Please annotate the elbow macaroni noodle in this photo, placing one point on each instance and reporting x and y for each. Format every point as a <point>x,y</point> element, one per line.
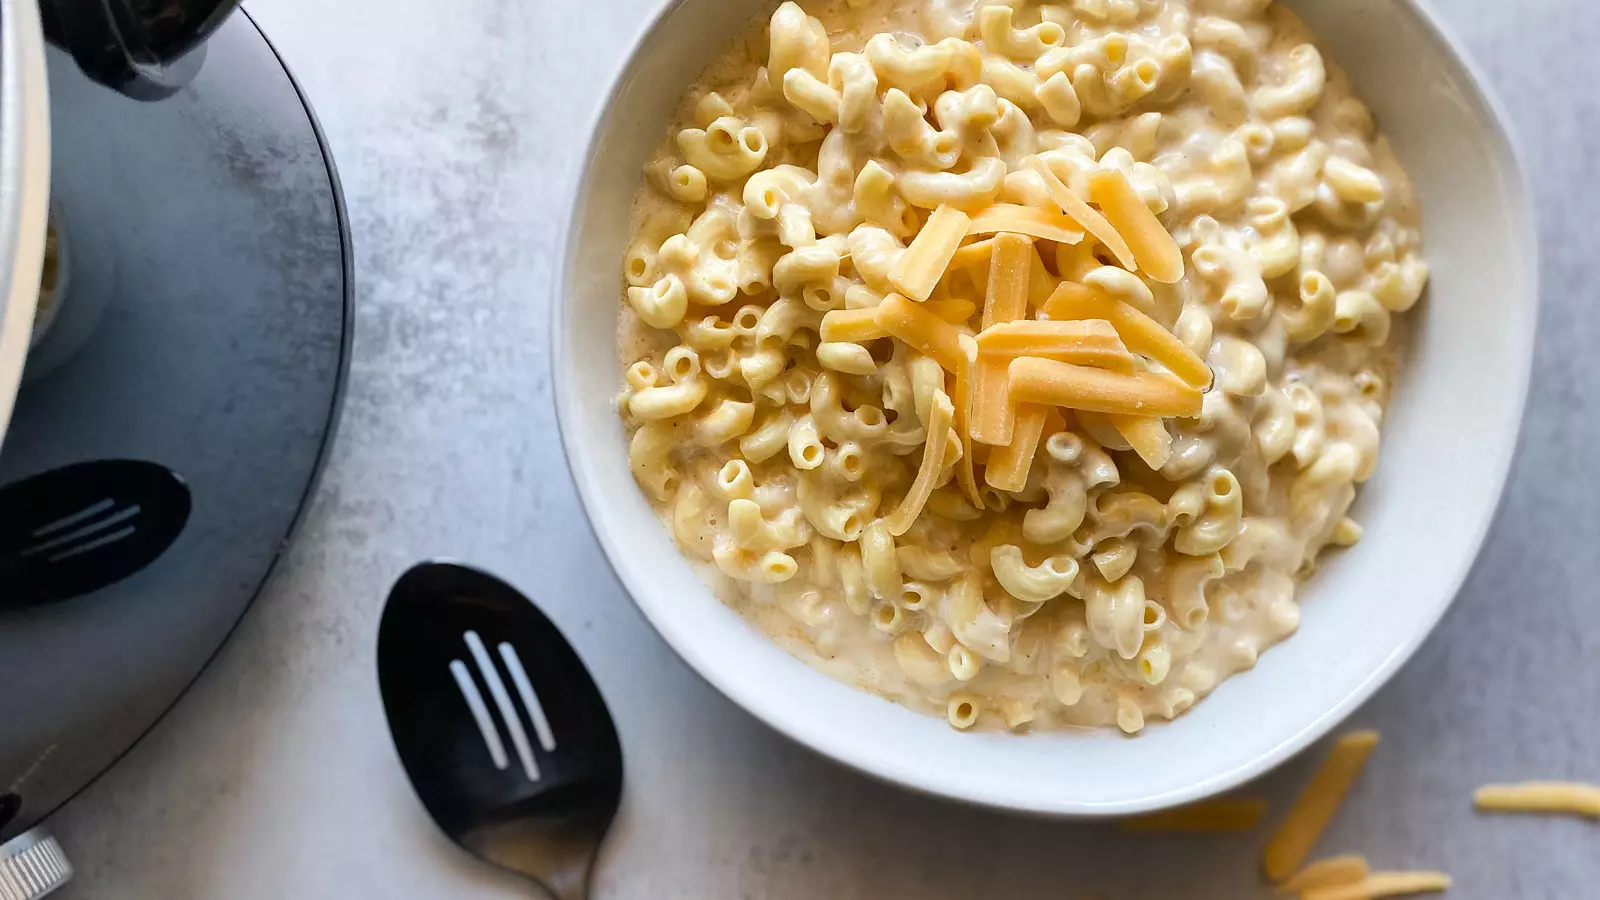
<point>1018,362</point>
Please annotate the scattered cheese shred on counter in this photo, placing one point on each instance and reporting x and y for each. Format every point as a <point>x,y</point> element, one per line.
<point>1349,876</point>
<point>1383,884</point>
<point>1567,797</point>
<point>1334,871</point>
<point>1317,804</point>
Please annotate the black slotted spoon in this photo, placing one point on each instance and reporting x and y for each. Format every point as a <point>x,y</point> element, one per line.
<point>506,739</point>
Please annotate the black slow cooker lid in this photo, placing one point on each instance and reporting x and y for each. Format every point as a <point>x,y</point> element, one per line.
<point>204,327</point>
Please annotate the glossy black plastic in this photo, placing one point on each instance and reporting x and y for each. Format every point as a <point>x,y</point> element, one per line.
<point>146,49</point>
<point>79,528</point>
<point>548,829</point>
<point>206,325</point>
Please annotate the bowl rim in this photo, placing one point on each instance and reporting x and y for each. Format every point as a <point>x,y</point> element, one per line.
<point>1500,141</point>
<point>24,189</point>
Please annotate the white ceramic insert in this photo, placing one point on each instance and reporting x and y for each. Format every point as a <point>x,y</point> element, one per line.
<point>24,187</point>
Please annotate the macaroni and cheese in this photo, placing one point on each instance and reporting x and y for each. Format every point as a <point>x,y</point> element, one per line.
<point>1016,361</point>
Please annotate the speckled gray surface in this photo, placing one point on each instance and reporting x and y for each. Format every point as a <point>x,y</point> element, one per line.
<point>454,132</point>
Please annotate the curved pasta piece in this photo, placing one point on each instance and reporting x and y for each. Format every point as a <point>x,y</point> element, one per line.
<point>1187,577</point>
<point>913,139</point>
<point>928,565</point>
<point>709,278</point>
<point>973,189</point>
<point>831,517</point>
<point>1115,613</point>
<point>1277,250</point>
<point>851,359</point>
<point>772,567</point>
<point>1216,81</point>
<point>974,624</point>
<point>796,41</point>
<point>1120,513</point>
<point>1260,539</point>
<point>1014,136</point>
<point>878,204</point>
<point>1068,504</point>
<point>1114,558</point>
<point>805,445</point>
<point>1120,284</point>
<point>657,403</point>
<point>1060,100</point>
<point>726,421</point>
<point>1026,44</point>
<point>751,530</point>
<point>690,525</point>
<point>908,69</point>
<point>1242,365</point>
<point>1300,91</point>
<point>768,438</point>
<point>661,305</point>
<point>972,110</point>
<point>725,151</point>
<point>1360,315</point>
<point>1398,286</point>
<point>853,580</point>
<point>874,252</point>
<point>1032,584</point>
<point>811,95</point>
<point>767,191</point>
<point>852,75</point>
<point>684,183</point>
<point>1244,295</point>
<point>834,422</point>
<point>1220,524</point>
<point>881,562</point>
<point>920,662</point>
<point>1154,661</point>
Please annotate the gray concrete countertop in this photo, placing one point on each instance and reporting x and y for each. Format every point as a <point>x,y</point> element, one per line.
<point>453,126</point>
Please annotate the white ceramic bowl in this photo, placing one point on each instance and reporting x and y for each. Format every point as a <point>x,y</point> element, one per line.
<point>1448,445</point>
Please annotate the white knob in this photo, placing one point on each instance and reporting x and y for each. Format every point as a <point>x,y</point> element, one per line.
<point>32,865</point>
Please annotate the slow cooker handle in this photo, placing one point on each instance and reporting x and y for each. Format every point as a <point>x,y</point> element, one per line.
<point>145,49</point>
